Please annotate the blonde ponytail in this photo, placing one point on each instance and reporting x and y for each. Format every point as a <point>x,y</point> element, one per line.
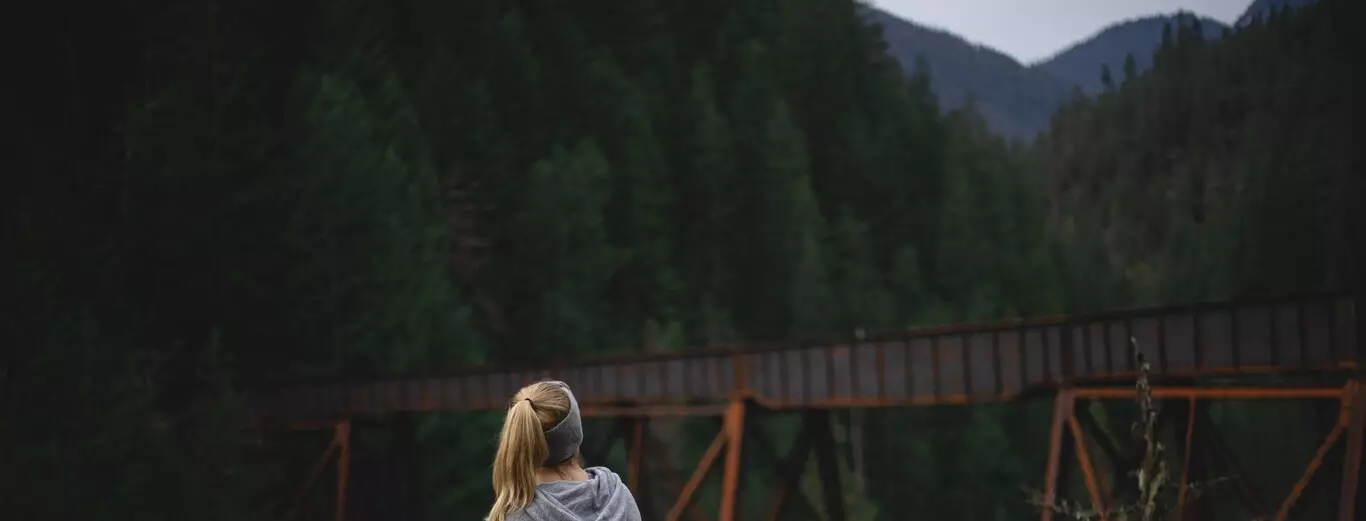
<point>522,446</point>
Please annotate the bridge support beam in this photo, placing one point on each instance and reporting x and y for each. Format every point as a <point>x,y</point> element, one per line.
<point>1351,426</point>
<point>636,480</point>
<point>340,445</point>
<point>818,427</point>
<point>730,438</point>
<point>1351,465</point>
<point>1062,409</point>
<point>1065,423</point>
<point>660,470</point>
<point>342,434</point>
<point>1088,471</point>
<point>790,468</point>
<point>735,438</point>
<point>1189,452</point>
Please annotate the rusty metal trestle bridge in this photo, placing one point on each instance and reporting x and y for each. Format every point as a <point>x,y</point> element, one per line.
<point>1072,357</point>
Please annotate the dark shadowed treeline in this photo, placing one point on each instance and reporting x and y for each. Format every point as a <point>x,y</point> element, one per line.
<point>1226,170</point>
<point>217,196</point>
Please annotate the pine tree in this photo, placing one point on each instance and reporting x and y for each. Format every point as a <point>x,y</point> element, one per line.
<point>647,286</point>
<point>860,297</point>
<point>791,272</point>
<point>707,205</point>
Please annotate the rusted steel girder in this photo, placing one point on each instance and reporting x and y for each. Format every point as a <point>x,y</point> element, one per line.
<point>1351,465</point>
<point>730,440</point>
<point>340,445</point>
<point>1351,423</point>
<point>943,365</point>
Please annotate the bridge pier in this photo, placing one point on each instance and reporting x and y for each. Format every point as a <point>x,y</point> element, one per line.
<point>827,463</point>
<point>735,439</point>
<point>343,441</point>
<point>790,468</point>
<point>636,479</point>
<point>1351,467</point>
<point>731,439</point>
<point>340,446</point>
<point>1349,427</point>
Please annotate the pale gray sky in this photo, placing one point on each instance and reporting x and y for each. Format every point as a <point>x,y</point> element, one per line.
<point>1031,30</point>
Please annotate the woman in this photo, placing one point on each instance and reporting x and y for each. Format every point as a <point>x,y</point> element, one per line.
<point>536,474</point>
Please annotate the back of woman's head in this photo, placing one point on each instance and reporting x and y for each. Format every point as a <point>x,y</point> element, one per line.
<point>542,428</point>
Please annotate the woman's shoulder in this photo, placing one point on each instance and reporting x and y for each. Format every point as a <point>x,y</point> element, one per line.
<point>599,471</point>
<point>604,476</point>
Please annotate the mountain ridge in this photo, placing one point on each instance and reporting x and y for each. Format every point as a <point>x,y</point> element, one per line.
<point>1264,7</point>
<point>1018,99</point>
<point>1080,63</point>
<point>962,70</point>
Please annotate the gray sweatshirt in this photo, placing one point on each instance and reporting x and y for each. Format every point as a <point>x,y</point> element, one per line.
<point>603,497</point>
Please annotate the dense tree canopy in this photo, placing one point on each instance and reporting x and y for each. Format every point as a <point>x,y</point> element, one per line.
<point>214,197</point>
<point>1227,170</point>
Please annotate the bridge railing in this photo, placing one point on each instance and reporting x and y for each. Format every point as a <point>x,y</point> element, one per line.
<point>949,364</point>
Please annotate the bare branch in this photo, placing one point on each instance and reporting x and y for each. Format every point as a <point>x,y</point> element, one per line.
<point>1152,476</point>
<point>1152,472</point>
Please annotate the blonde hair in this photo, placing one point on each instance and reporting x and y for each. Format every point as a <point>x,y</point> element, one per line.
<point>522,446</point>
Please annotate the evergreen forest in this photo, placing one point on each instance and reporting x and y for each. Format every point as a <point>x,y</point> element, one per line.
<point>209,198</point>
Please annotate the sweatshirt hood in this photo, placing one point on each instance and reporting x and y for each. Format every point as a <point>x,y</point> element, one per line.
<point>602,497</point>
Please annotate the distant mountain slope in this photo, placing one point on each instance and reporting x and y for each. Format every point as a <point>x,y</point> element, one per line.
<point>1081,63</point>
<point>1017,101</point>
<point>1263,7</point>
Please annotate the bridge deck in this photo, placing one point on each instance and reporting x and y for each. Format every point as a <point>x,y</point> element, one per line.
<point>953,364</point>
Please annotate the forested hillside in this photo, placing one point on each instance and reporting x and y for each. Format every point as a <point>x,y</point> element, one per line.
<point>1015,99</point>
<point>212,197</point>
<point>1125,49</point>
<point>218,196</point>
<point>1018,100</point>
<point>1263,8</point>
<point>1226,170</point>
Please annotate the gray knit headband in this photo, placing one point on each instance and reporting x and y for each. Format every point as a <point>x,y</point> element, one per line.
<point>564,438</point>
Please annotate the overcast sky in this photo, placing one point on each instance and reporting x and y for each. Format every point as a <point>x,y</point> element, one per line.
<point>1031,30</point>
